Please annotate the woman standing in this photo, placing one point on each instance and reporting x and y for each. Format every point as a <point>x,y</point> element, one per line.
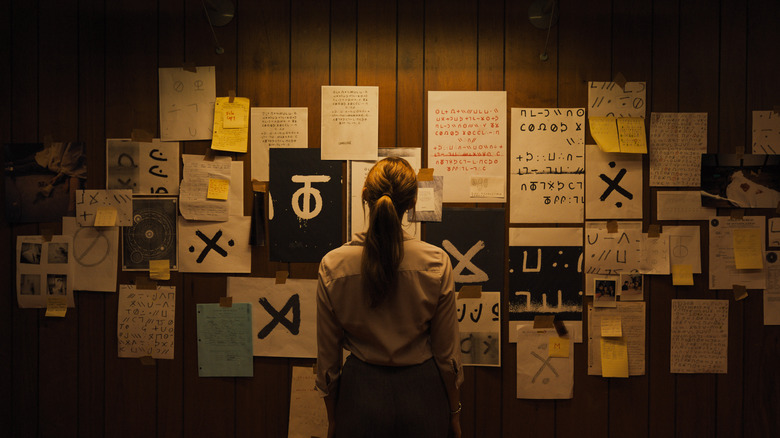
<point>389,300</point>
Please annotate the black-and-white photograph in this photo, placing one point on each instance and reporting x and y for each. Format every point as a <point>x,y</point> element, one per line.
<point>56,284</point>
<point>30,284</point>
<point>31,253</point>
<point>57,252</point>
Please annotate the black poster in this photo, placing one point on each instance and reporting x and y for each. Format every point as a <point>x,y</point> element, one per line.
<point>545,280</point>
<point>305,215</point>
<point>474,239</point>
<point>152,235</point>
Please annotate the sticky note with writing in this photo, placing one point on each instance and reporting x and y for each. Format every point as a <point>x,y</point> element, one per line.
<point>747,248</point>
<point>604,132</point>
<point>614,357</point>
<point>218,189</point>
<point>559,347</point>
<point>631,131</point>
<point>56,305</point>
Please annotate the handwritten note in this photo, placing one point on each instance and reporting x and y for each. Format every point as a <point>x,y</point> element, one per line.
<point>611,327</point>
<point>467,136</point>
<point>56,306</point>
<point>677,141</point>
<point>604,132</point>
<point>145,322</point>
<point>631,132</point>
<point>350,123</point>
<point>614,357</point>
<point>232,137</point>
<point>724,273</point>
<point>766,132</point>
<point>632,316</point>
<point>608,99</point>
<point>194,203</point>
<point>747,248</point>
<point>276,128</point>
<point>308,417</point>
<point>224,340</point>
<point>699,336</point>
<point>684,246</point>
<point>187,103</point>
<point>425,199</point>
<point>613,253</point>
<point>548,165</point>
<point>675,206</point>
<point>218,189</point>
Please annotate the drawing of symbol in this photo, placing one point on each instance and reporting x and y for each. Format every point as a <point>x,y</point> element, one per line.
<point>294,304</point>
<point>678,248</point>
<point>613,184</point>
<point>91,255</point>
<point>545,363</point>
<point>178,86</point>
<point>464,261</point>
<point>302,204</point>
<point>210,244</point>
<point>538,267</point>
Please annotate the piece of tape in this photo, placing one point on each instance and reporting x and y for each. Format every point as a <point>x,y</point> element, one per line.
<point>425,174</point>
<point>225,301</point>
<point>231,96</point>
<point>259,186</point>
<point>612,226</point>
<point>209,155</point>
<point>281,277</point>
<point>740,292</point>
<point>654,230</point>
<point>141,136</point>
<point>147,361</point>
<point>470,291</point>
<point>47,231</point>
<point>189,66</point>
<point>739,150</point>
<point>776,109</point>
<point>145,283</point>
<point>737,213</point>
<point>544,321</point>
<point>620,80</point>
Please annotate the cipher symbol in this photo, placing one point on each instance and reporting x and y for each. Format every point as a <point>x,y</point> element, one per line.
<point>278,317</point>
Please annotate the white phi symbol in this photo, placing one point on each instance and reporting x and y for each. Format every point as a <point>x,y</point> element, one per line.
<point>306,193</point>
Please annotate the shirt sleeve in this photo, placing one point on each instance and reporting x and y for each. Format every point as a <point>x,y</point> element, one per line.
<point>329,340</point>
<point>445,336</point>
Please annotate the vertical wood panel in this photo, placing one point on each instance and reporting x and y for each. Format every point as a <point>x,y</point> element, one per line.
<point>582,59</point>
<point>376,62</point>
<point>663,97</point>
<point>761,344</point>
<point>131,72</point>
<point>343,42</point>
<point>699,59</point>
<point>530,82</point>
<point>410,114</point>
<point>7,274</point>
<point>24,128</point>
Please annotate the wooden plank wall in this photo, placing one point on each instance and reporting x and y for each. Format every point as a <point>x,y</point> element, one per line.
<point>86,70</point>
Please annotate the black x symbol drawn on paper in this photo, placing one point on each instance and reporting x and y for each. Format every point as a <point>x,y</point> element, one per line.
<point>545,363</point>
<point>278,317</point>
<point>613,184</point>
<point>210,244</point>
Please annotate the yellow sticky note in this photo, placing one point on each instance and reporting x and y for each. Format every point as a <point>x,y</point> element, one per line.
<point>614,357</point>
<point>56,305</point>
<point>682,275</point>
<point>218,189</point>
<point>611,327</point>
<point>231,127</point>
<point>105,217</point>
<point>159,270</point>
<point>631,132</point>
<point>604,132</point>
<point>747,248</point>
<point>559,347</point>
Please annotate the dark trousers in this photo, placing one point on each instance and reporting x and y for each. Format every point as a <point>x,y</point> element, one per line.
<point>381,401</point>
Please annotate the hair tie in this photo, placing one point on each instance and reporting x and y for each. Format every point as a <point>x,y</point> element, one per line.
<point>388,195</point>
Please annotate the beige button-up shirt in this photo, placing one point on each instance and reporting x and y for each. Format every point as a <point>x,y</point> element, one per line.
<point>412,325</point>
